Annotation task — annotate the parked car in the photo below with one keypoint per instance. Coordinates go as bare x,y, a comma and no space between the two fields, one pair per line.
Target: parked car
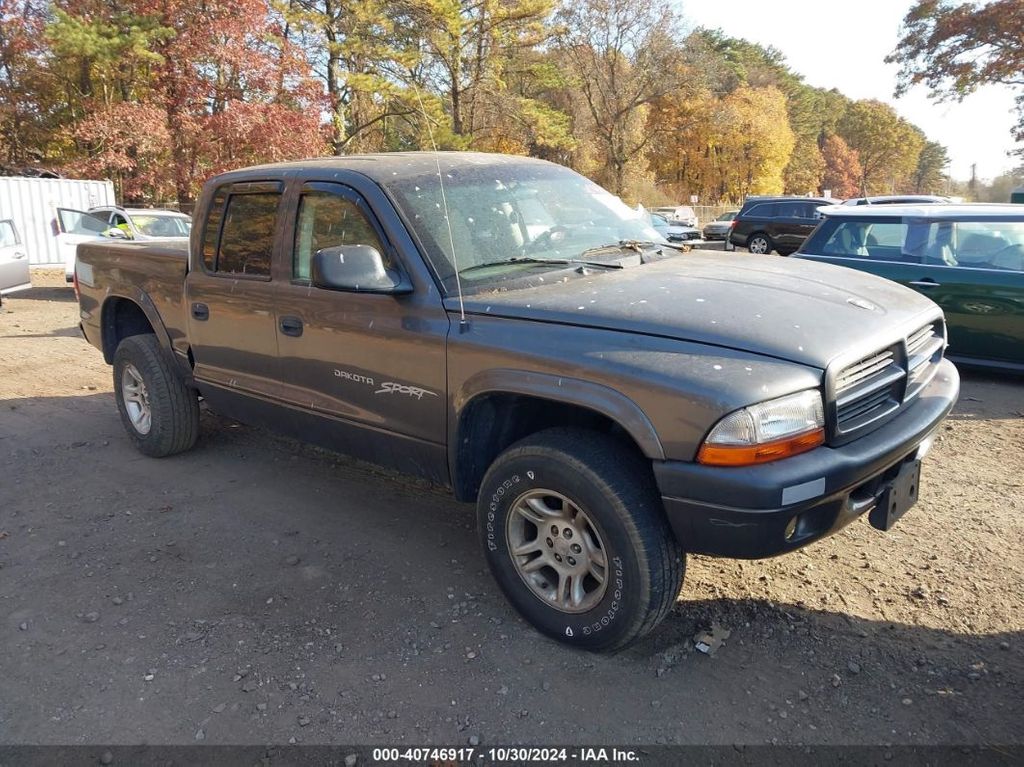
899,199
679,214
969,259
111,222
719,228
607,403
146,223
676,233
14,273
781,224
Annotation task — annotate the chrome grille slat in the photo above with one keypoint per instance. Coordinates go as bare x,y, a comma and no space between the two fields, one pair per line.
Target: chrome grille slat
866,368
873,387
918,339
861,406
924,352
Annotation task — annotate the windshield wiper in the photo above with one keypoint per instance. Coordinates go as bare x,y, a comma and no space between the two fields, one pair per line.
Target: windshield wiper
539,261
637,246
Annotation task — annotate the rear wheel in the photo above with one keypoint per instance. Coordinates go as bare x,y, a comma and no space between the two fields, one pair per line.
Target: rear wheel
160,413
575,535
759,243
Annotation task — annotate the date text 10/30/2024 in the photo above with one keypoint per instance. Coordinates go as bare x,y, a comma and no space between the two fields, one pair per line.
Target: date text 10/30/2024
498,754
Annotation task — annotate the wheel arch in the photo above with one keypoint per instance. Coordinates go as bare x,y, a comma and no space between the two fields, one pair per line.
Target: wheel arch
499,407
122,316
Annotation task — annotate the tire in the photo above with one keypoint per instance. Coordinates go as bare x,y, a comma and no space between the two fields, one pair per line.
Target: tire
759,244
609,493
145,381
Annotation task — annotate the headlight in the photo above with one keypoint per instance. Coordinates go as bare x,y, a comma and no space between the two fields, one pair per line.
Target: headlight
767,431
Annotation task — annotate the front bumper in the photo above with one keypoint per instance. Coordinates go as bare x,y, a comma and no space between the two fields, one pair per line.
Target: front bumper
744,512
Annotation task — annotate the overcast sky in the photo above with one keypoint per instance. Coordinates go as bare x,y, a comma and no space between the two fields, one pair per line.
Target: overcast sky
842,45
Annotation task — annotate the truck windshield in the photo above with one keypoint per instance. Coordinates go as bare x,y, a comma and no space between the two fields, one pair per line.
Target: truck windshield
512,216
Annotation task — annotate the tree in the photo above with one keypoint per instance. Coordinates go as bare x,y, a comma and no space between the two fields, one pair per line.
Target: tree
218,82
842,174
128,143
805,167
621,56
24,93
929,175
359,50
467,46
886,145
1001,186
955,49
756,141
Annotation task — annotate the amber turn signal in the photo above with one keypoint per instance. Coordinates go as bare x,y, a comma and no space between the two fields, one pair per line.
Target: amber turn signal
748,455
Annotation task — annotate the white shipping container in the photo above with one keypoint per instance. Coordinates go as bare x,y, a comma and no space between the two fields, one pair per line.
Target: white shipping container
32,204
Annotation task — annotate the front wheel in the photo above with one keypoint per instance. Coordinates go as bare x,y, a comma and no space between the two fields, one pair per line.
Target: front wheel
575,535
160,413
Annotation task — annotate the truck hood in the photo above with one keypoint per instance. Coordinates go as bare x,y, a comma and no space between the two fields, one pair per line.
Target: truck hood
795,310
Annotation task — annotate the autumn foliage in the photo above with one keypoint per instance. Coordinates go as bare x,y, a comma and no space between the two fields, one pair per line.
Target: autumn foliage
157,95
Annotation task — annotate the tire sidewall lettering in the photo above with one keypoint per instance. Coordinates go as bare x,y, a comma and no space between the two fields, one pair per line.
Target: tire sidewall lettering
492,510
574,626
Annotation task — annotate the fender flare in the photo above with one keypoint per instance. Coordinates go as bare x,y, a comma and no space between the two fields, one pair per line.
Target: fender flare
571,391
141,299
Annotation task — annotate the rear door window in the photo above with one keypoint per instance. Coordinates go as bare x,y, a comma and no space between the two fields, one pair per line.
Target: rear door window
239,236
247,238
762,210
878,241
792,209
810,210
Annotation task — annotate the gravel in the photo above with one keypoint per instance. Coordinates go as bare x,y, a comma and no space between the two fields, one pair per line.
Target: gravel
375,574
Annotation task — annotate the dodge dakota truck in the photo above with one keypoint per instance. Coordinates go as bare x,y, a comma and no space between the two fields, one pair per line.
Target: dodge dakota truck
505,327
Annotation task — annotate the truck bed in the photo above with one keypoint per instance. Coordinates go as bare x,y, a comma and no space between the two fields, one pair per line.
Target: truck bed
152,274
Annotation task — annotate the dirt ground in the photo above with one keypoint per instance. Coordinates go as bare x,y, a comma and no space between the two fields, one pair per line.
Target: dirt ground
258,591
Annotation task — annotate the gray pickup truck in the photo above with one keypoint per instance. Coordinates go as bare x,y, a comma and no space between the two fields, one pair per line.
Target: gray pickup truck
506,327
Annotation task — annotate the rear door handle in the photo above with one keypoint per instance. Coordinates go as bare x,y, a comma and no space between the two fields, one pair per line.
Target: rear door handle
201,312
291,326
926,283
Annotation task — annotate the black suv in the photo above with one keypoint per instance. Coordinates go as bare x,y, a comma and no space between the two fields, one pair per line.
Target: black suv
782,224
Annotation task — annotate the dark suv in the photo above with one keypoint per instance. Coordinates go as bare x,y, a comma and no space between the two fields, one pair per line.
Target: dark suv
782,224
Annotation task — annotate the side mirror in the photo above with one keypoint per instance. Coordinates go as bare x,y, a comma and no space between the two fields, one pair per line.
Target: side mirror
116,234
357,269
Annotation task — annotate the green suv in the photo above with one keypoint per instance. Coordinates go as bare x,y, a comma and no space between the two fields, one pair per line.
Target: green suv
969,259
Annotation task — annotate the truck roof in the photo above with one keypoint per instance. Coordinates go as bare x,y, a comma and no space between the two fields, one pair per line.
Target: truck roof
391,166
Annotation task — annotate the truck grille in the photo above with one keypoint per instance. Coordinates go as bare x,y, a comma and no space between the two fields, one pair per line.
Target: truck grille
876,386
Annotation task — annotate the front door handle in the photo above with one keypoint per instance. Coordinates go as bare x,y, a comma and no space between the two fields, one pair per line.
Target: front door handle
291,326
926,283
